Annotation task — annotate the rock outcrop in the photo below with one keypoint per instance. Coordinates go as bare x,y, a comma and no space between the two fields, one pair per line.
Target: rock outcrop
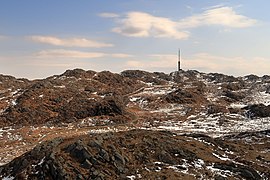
137,153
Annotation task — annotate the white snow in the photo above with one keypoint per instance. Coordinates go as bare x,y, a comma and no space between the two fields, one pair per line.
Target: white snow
224,173
261,98
191,117
221,158
172,109
132,177
5,130
8,178
216,126
199,163
175,168
134,99
238,106
15,92
13,103
157,90
62,86
42,161
158,169
93,122
183,168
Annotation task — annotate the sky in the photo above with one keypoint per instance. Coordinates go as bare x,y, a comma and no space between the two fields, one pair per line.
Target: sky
43,38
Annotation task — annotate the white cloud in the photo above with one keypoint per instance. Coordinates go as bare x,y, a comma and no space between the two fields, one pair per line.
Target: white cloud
61,53
214,6
120,55
140,24
69,42
108,15
223,16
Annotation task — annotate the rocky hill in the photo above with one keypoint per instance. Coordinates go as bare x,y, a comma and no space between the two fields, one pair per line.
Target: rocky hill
208,126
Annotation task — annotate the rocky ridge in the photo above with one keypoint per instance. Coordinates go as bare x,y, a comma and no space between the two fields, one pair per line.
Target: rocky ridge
143,154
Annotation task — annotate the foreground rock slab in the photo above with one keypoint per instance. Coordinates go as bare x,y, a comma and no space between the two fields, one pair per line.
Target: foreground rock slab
144,154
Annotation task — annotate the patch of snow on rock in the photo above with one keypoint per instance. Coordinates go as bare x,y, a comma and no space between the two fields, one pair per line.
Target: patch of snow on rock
8,178
238,106
132,177
221,158
63,86
261,98
134,99
13,103
223,173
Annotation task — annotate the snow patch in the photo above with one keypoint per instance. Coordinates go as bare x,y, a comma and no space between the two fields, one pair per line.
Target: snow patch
132,177
8,178
134,99
15,92
14,103
63,86
199,163
261,98
223,173
42,161
221,158
238,106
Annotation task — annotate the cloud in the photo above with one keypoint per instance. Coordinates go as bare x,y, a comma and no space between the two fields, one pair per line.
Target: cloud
214,6
69,42
140,24
108,15
120,55
62,53
223,16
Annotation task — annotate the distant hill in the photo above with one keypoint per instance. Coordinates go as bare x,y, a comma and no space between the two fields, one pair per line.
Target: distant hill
78,94
207,121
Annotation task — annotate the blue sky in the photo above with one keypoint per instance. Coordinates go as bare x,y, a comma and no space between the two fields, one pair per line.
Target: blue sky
42,38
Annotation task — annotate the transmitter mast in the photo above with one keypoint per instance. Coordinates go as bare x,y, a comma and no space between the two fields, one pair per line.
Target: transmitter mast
179,60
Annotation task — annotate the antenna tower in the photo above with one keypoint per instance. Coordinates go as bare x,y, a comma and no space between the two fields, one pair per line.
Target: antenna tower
179,60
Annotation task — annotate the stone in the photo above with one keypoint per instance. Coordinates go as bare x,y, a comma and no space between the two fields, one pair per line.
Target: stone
165,157
87,164
104,155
